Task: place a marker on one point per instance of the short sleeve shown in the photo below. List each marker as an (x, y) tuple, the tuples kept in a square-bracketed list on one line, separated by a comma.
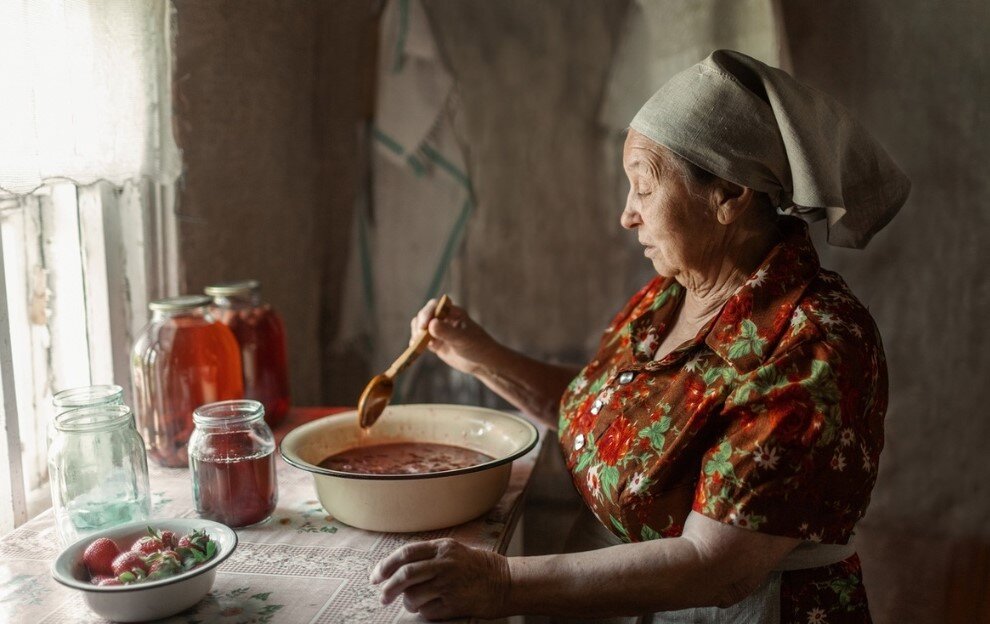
[(797, 451)]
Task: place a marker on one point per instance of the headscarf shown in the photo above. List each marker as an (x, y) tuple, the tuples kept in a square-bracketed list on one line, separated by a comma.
[(757, 126)]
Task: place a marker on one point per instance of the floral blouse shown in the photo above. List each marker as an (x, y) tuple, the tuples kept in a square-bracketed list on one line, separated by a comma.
[(771, 419)]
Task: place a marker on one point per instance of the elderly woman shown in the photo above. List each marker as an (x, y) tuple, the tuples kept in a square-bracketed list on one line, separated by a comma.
[(727, 432)]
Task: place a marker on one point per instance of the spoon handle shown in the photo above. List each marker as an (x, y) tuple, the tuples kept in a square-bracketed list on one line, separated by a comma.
[(418, 345)]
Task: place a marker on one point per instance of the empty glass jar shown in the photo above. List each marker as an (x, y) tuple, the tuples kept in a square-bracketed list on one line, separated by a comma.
[(182, 359), (261, 335), (98, 471), (232, 460), (83, 396)]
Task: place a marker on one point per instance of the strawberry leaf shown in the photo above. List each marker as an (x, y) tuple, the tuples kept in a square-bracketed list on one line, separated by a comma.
[(211, 549)]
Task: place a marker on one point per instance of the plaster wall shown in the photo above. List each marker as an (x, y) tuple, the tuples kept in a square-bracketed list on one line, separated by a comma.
[(918, 75), (267, 102)]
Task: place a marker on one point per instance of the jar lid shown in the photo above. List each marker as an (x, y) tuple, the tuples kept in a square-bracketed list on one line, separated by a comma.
[(183, 302), (224, 289)]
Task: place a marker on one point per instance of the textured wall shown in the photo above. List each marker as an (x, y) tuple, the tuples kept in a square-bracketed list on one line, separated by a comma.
[(917, 74), (266, 102)]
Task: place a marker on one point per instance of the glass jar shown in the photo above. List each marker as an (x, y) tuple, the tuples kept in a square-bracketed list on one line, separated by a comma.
[(261, 335), (232, 459), (98, 471), (83, 396), (182, 359)]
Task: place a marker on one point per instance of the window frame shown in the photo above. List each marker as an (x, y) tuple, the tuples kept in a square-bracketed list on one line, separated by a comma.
[(122, 245)]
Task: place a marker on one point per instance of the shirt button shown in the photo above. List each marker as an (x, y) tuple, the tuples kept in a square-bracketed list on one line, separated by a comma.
[(579, 442), (597, 407), (626, 377)]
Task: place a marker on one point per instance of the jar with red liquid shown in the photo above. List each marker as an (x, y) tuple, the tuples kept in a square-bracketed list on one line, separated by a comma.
[(261, 335), (232, 459), (182, 359)]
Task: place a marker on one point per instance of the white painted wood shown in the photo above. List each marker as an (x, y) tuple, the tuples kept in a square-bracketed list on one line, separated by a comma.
[(69, 359), (14, 512), (96, 265), (119, 298), (132, 211), (26, 297), (35, 408)]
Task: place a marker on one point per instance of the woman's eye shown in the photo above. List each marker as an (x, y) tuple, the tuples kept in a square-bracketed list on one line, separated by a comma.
[(642, 193)]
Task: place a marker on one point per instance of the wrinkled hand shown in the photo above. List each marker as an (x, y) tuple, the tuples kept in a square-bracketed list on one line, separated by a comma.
[(442, 579), (456, 339)]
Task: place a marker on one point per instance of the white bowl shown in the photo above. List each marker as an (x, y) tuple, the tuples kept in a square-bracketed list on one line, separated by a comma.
[(149, 600), (412, 502)]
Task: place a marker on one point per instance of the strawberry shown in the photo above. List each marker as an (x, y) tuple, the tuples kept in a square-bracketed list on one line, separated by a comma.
[(164, 564), (99, 557), (147, 545), (129, 561), (153, 542), (169, 538), (109, 581), (195, 548)]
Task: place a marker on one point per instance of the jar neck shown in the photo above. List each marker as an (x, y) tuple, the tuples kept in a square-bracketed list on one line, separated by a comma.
[(86, 396), (97, 419), (197, 312), (247, 298), (229, 415)]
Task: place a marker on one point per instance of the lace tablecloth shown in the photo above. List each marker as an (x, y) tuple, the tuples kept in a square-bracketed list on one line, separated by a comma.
[(299, 566)]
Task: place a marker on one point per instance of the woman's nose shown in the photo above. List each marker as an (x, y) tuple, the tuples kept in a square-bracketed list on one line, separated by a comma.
[(629, 217)]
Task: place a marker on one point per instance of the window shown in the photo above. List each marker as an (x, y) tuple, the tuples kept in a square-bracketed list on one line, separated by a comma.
[(87, 163)]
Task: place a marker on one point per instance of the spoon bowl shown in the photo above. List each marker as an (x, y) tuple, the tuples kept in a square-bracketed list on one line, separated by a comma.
[(374, 399), (378, 393)]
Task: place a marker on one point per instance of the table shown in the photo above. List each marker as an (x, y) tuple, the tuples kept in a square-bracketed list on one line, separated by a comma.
[(299, 566)]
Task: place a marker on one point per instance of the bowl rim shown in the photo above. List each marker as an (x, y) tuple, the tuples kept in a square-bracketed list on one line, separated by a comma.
[(210, 525), (297, 462)]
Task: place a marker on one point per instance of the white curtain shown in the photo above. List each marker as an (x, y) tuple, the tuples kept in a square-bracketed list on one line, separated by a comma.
[(86, 92)]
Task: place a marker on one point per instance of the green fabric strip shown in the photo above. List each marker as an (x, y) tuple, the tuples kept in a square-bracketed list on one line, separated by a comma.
[(416, 165), (453, 240), (387, 141), (400, 42), (446, 165)]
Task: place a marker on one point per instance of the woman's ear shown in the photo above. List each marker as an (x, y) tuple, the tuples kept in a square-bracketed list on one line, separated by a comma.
[(731, 200)]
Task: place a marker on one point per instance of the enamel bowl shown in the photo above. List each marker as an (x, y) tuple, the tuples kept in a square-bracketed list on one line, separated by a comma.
[(152, 599), (412, 502)]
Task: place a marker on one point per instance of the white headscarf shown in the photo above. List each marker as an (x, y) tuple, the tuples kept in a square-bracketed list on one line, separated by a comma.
[(755, 125)]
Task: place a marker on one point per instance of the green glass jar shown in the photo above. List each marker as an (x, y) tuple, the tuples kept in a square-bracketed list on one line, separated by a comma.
[(83, 396), (98, 471)]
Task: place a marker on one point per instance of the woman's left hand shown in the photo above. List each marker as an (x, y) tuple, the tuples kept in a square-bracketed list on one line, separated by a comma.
[(443, 578)]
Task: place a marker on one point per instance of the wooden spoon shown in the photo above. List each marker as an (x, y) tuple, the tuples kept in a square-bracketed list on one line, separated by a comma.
[(378, 392)]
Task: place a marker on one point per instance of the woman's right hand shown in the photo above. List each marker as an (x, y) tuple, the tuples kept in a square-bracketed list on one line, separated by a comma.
[(456, 339)]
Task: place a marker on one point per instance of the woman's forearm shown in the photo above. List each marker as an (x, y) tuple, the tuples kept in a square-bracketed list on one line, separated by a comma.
[(530, 385), (629, 579)]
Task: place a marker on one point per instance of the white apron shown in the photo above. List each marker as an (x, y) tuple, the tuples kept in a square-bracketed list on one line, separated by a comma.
[(760, 607)]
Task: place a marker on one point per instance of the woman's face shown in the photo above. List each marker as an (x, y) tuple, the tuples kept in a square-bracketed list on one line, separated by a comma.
[(677, 227)]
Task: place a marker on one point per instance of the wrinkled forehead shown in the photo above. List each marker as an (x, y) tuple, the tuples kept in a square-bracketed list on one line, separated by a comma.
[(642, 154)]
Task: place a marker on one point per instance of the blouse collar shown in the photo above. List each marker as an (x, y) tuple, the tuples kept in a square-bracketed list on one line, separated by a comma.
[(754, 318)]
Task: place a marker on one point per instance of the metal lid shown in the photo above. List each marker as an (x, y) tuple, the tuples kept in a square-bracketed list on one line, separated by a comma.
[(236, 287), (183, 302)]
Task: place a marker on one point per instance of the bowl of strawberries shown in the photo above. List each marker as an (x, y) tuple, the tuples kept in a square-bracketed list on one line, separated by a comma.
[(146, 570)]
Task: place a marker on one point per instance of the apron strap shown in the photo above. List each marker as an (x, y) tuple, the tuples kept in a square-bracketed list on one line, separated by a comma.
[(814, 555)]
